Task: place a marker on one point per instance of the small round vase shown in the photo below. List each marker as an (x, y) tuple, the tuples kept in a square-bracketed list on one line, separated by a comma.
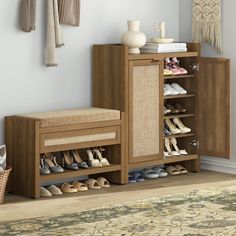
[(133, 38)]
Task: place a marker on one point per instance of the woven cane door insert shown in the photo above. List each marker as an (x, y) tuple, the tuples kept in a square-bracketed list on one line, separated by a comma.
[(145, 103)]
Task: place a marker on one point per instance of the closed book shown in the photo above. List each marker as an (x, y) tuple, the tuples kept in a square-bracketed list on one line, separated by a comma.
[(165, 45), (148, 50)]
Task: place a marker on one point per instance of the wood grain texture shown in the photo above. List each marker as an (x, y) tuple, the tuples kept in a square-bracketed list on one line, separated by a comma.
[(214, 107), (22, 155)]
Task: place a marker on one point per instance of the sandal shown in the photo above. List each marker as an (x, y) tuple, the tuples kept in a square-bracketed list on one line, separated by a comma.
[(149, 174), (92, 184), (78, 160), (93, 162), (103, 182), (181, 169), (136, 176), (54, 190), (44, 192), (102, 160), (160, 171), (171, 170), (81, 187), (68, 188), (174, 144)]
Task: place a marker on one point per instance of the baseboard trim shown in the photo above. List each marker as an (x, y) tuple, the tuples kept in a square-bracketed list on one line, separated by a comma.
[(223, 166)]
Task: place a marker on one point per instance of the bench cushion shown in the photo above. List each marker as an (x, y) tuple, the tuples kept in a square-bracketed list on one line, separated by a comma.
[(75, 116)]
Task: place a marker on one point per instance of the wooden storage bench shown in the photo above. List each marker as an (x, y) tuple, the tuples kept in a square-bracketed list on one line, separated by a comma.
[(29, 135)]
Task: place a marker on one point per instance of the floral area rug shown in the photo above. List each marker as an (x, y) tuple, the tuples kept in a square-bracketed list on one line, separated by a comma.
[(198, 213)]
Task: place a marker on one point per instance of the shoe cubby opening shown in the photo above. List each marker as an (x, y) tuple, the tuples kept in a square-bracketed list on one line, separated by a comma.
[(190, 64), (188, 104), (188, 84), (187, 143)]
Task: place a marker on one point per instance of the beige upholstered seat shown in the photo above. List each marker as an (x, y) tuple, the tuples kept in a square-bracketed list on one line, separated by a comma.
[(75, 116)]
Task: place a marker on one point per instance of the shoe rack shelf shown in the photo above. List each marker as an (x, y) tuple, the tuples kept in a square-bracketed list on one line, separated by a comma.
[(179, 76), (179, 96), (81, 172), (186, 159), (178, 115), (180, 135)]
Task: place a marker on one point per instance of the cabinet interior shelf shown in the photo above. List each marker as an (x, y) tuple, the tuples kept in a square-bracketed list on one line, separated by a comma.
[(178, 115), (179, 76), (80, 172), (179, 96), (179, 135), (164, 161)]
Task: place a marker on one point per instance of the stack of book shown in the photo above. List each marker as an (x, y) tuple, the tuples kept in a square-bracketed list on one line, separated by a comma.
[(164, 47)]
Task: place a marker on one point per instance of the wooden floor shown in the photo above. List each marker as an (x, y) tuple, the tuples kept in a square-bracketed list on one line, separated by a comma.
[(16, 207)]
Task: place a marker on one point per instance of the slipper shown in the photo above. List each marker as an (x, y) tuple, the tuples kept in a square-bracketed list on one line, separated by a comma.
[(81, 187), (103, 182), (149, 174), (68, 188), (132, 179), (92, 184), (181, 169), (171, 170), (54, 190), (160, 171), (44, 192), (138, 177)]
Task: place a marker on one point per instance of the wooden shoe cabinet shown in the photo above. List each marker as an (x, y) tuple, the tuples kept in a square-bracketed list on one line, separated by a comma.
[(29, 135), (133, 84)]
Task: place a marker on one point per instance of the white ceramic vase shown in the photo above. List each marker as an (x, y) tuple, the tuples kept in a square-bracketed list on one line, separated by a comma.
[(133, 38)]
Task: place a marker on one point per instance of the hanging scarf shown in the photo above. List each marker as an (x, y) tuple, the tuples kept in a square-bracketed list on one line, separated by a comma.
[(27, 15), (54, 35), (69, 12), (206, 22)]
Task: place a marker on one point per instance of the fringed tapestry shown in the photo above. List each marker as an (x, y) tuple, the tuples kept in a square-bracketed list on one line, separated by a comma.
[(206, 22)]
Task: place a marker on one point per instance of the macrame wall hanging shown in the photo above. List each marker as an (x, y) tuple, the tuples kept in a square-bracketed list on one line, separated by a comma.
[(58, 12), (206, 22)]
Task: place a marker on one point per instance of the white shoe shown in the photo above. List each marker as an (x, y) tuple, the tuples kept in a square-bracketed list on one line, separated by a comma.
[(181, 126), (166, 92), (178, 88), (173, 129), (91, 161), (174, 143), (171, 89)]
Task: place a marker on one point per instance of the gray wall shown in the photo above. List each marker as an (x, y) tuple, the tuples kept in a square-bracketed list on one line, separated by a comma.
[(27, 86), (229, 49)]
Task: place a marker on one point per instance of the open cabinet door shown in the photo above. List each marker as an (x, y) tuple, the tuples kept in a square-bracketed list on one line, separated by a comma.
[(214, 107)]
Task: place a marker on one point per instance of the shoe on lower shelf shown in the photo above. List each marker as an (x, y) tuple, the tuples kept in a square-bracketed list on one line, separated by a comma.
[(166, 92), (171, 89), (77, 159), (181, 126), (91, 160), (44, 192), (174, 144), (50, 161), (54, 190), (173, 110), (173, 129), (180, 108), (178, 88), (44, 169)]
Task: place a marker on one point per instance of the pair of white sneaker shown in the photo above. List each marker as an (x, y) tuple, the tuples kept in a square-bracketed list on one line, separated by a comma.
[(173, 89)]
